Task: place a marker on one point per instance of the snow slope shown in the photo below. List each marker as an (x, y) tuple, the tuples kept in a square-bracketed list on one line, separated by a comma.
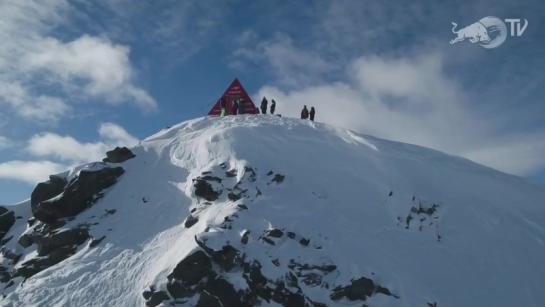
[(429, 227)]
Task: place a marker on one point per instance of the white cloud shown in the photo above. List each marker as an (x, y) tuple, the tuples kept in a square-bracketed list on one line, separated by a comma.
[(36, 107), (412, 99), (29, 171), (116, 135), (40, 74), (104, 68), (66, 148)]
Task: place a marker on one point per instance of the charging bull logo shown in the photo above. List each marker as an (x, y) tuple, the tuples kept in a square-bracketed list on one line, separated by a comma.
[(489, 32)]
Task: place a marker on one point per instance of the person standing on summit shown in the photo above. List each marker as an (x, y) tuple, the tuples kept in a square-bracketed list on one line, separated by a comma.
[(304, 113), (264, 103), (235, 107), (273, 106), (312, 112), (223, 106)]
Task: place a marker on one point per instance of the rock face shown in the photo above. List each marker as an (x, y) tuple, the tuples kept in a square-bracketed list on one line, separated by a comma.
[(205, 277), (118, 155), (7, 219), (359, 289), (53, 204), (53, 247), (51, 201)]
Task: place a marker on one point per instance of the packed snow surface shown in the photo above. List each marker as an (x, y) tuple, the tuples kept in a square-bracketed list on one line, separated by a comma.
[(430, 227)]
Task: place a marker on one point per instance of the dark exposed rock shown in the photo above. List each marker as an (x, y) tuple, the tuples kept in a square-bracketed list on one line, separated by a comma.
[(359, 289), (278, 178), (251, 173), (192, 269), (78, 195), (227, 258), (245, 235), (69, 237), (291, 235), (242, 207), (10, 255), (220, 290), (5, 240), (270, 173), (267, 240), (48, 189), (96, 242), (233, 196), (156, 298), (231, 173), (204, 190), (7, 219), (190, 221), (275, 233), (207, 300), (118, 155), (25, 241), (304, 241), (211, 178), (5, 276), (109, 212)]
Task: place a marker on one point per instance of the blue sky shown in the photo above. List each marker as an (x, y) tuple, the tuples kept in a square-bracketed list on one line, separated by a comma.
[(78, 77)]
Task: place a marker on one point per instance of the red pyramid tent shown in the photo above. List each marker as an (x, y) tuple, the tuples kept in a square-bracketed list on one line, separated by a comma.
[(235, 91)]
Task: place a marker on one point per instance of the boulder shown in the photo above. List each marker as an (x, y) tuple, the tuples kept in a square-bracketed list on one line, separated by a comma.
[(190, 221), (7, 219), (156, 298), (118, 155), (359, 289), (47, 190), (204, 190), (192, 269), (219, 292), (78, 195), (68, 237)]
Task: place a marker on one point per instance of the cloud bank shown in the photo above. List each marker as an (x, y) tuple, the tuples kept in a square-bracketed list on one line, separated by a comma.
[(41, 76)]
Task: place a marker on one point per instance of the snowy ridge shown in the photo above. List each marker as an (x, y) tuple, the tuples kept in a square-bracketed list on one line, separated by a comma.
[(299, 204)]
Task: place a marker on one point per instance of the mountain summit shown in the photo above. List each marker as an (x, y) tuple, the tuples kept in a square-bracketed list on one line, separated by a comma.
[(267, 211)]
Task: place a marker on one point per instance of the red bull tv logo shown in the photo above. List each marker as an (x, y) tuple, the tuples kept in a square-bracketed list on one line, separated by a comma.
[(489, 32)]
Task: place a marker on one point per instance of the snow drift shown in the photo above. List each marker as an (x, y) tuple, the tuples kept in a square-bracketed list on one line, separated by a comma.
[(262, 210)]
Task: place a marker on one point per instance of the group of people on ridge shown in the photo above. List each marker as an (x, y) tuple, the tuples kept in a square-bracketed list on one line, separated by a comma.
[(305, 114), (264, 103), (237, 103)]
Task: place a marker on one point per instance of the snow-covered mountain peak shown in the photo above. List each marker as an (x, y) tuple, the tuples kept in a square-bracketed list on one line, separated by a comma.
[(263, 210)]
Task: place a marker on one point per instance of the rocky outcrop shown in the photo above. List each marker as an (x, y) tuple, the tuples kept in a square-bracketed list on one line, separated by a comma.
[(51, 201), (118, 155), (54, 203), (204, 189), (7, 219), (53, 246), (359, 289)]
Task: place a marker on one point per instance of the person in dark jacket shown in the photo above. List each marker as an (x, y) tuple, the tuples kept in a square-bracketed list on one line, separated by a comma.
[(304, 113), (273, 106), (264, 103), (235, 107), (312, 112)]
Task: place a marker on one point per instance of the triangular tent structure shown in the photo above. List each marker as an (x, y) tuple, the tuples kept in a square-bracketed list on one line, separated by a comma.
[(235, 91)]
